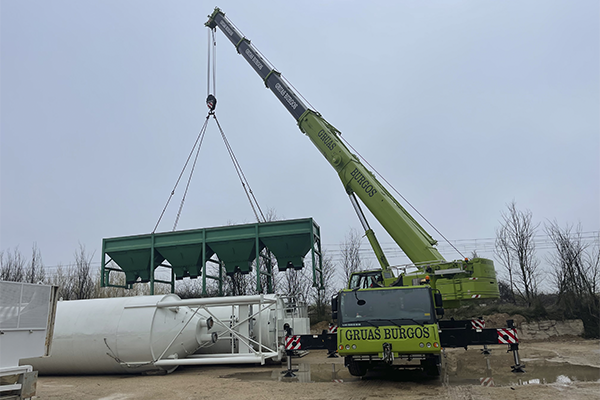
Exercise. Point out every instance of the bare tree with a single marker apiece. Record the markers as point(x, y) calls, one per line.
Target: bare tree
point(188, 288)
point(504, 254)
point(506, 293)
point(83, 284)
point(12, 265)
point(62, 279)
point(593, 260)
point(321, 297)
point(295, 284)
point(576, 272)
point(515, 247)
point(350, 252)
point(238, 284)
point(35, 272)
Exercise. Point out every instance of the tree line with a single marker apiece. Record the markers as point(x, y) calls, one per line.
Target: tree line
point(80, 280)
point(574, 269)
point(572, 273)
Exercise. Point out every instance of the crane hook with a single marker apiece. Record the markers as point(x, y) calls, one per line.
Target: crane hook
point(211, 102)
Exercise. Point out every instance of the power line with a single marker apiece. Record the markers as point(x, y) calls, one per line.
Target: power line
point(485, 246)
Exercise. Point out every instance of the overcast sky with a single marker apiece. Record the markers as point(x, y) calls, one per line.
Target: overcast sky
point(464, 106)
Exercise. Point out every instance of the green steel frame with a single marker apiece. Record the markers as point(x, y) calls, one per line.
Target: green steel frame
point(236, 247)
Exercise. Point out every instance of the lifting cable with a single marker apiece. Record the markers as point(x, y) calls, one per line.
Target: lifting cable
point(211, 102)
point(238, 169)
point(401, 196)
point(199, 139)
point(187, 186)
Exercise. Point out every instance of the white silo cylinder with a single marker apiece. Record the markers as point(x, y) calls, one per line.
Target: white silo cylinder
point(120, 335)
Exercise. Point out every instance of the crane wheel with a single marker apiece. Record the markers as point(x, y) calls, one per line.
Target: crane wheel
point(356, 368)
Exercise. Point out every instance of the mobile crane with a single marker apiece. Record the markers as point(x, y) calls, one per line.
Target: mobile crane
point(383, 319)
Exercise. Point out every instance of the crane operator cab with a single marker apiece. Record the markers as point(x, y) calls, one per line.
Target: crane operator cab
point(371, 279)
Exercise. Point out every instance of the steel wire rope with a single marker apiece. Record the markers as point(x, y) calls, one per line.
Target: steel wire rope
point(187, 186)
point(198, 138)
point(211, 68)
point(399, 194)
point(238, 169)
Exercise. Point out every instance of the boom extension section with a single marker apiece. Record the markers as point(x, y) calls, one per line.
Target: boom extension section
point(402, 227)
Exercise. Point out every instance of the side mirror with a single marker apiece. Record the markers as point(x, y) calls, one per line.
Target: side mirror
point(437, 297)
point(334, 307)
point(439, 308)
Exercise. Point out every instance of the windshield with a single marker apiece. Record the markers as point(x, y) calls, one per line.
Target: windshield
point(364, 280)
point(401, 306)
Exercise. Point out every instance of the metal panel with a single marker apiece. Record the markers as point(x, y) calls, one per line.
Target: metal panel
point(26, 321)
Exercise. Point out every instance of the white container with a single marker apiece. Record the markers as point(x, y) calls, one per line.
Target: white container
point(157, 333)
point(120, 335)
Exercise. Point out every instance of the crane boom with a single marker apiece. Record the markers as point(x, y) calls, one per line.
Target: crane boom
point(416, 243)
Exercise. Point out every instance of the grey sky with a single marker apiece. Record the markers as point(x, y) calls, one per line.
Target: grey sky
point(463, 106)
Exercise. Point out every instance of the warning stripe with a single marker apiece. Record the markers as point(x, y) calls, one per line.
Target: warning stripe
point(478, 324)
point(486, 381)
point(507, 336)
point(475, 296)
point(332, 328)
point(292, 343)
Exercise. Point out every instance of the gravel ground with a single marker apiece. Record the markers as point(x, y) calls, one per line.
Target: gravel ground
point(570, 369)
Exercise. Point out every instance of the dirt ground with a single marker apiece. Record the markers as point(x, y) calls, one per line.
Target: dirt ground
point(559, 369)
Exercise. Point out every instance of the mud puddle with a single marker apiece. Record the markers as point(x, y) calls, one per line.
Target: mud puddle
point(301, 373)
point(482, 373)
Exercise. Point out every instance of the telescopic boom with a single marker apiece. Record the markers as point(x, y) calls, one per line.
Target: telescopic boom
point(416, 243)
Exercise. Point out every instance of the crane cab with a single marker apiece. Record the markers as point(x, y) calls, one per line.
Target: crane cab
point(371, 279)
